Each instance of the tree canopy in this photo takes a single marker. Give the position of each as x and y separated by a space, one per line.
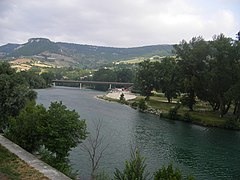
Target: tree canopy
202 70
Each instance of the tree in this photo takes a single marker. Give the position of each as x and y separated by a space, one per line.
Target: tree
107 75
25 129
145 79
191 60
34 80
221 71
124 75
95 147
51 132
134 168
48 77
168 78
14 94
63 130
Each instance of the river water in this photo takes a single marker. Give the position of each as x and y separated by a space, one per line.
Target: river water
205 153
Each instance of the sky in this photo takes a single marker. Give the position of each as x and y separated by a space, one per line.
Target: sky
118 23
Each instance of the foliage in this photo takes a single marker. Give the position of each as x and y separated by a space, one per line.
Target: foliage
168 78
63 130
232 123
112 75
61 165
48 77
14 93
173 112
79 55
34 80
134 168
142 105
186 100
204 70
54 132
145 77
25 129
168 173
122 98
102 176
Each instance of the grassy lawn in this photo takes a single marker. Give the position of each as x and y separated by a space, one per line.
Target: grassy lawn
12 168
202 113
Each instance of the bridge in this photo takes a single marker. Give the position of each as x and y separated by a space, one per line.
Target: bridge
125 84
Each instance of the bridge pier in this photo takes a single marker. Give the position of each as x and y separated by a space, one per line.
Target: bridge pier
80 85
110 86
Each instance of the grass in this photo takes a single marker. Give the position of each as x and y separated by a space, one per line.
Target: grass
12 168
202 114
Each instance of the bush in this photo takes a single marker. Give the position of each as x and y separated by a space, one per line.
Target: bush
142 105
187 117
173 112
134 169
168 173
232 123
134 105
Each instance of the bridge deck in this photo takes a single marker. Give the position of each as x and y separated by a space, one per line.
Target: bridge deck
94 82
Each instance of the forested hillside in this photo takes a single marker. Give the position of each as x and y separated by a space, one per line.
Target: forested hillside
79 54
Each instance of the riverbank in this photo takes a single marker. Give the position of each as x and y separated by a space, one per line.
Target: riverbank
202 114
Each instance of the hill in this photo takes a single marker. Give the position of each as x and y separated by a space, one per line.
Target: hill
69 54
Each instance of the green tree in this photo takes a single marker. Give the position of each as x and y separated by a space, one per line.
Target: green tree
107 75
48 77
51 132
34 80
134 168
221 71
14 93
191 60
168 78
25 129
145 79
63 130
124 75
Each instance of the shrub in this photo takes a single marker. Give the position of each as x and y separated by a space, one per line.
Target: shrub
168 172
232 123
173 112
142 105
134 169
187 117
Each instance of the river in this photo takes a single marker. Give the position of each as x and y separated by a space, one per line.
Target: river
205 153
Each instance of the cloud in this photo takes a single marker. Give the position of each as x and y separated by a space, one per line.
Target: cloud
115 23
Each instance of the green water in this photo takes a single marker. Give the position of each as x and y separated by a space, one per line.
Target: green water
206 153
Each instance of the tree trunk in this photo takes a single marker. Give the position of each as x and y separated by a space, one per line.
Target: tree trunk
192 100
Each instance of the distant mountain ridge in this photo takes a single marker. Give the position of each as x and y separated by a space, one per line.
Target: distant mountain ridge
80 54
